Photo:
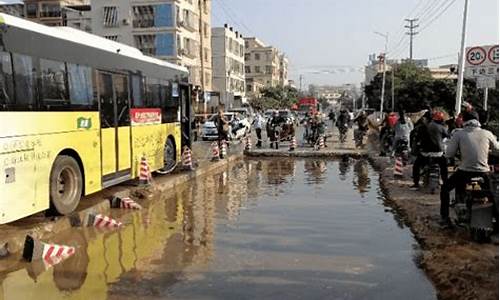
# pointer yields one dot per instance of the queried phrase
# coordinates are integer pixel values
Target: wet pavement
(260, 229)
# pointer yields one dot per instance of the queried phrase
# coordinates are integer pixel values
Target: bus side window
(24, 81)
(81, 87)
(54, 85)
(6, 81)
(153, 93)
(169, 103)
(137, 94)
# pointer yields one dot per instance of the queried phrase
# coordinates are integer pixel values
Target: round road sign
(493, 55)
(476, 56)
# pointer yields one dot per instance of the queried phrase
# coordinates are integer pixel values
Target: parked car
(239, 126)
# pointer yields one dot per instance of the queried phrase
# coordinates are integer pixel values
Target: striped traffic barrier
(144, 172)
(187, 161)
(215, 151)
(293, 144)
(398, 167)
(223, 150)
(101, 221)
(248, 144)
(125, 202)
(34, 250)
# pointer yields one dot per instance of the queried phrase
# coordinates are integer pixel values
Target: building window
(110, 16)
(269, 69)
(50, 10)
(111, 37)
(207, 79)
(32, 10)
(54, 92)
(249, 88)
(247, 69)
(165, 44)
(205, 51)
(146, 16)
(146, 43)
(247, 56)
(205, 30)
(257, 56)
(257, 69)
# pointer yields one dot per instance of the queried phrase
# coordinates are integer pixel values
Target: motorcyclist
(430, 141)
(320, 126)
(387, 131)
(361, 121)
(402, 130)
(474, 144)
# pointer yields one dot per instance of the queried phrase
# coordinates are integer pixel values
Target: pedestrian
(402, 130)
(222, 129)
(331, 116)
(258, 122)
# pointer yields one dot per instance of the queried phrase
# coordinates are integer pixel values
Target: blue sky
(326, 34)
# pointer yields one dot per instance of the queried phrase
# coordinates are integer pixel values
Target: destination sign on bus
(145, 116)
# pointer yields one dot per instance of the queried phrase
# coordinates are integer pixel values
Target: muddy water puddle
(261, 229)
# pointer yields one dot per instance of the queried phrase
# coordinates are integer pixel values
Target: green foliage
(275, 98)
(414, 88)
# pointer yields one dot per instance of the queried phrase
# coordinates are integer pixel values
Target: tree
(275, 98)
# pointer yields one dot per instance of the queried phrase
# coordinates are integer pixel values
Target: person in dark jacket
(430, 141)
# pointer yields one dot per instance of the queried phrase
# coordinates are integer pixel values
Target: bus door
(115, 128)
(186, 114)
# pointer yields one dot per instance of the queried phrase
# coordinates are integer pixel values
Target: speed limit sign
(493, 55)
(476, 56)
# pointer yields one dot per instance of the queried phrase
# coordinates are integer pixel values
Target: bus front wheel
(66, 185)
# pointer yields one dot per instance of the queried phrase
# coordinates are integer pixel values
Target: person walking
(258, 122)
(222, 125)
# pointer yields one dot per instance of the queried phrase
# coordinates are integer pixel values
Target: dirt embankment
(458, 267)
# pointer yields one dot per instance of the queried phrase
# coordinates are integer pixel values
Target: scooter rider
(430, 140)
(343, 120)
(276, 121)
(474, 144)
(402, 130)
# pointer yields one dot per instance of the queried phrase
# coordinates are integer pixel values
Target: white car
(237, 128)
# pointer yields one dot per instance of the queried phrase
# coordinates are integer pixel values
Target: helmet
(438, 116)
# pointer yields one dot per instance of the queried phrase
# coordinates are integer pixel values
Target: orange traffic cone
(248, 144)
(223, 149)
(293, 143)
(215, 151)
(187, 161)
(34, 249)
(101, 221)
(398, 167)
(144, 172)
(126, 202)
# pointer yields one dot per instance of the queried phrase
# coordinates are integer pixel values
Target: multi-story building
(177, 31)
(375, 66)
(262, 66)
(49, 12)
(15, 8)
(228, 61)
(283, 70)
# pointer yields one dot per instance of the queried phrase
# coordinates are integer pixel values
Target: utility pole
(202, 65)
(383, 58)
(461, 62)
(392, 86)
(300, 84)
(411, 33)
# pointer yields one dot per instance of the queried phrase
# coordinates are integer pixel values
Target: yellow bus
(77, 113)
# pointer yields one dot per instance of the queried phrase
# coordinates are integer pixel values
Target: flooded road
(262, 229)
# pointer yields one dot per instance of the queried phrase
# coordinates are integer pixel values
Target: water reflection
(361, 179)
(344, 165)
(173, 239)
(315, 171)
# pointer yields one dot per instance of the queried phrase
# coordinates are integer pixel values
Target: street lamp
(382, 94)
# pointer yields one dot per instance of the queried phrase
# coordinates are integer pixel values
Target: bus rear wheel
(66, 185)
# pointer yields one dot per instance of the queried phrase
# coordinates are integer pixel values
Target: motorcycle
(431, 171)
(359, 135)
(343, 132)
(238, 129)
(387, 142)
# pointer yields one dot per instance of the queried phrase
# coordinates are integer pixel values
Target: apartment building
(15, 8)
(177, 31)
(265, 66)
(228, 61)
(50, 12)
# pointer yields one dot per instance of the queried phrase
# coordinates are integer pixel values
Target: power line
(232, 17)
(438, 16)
